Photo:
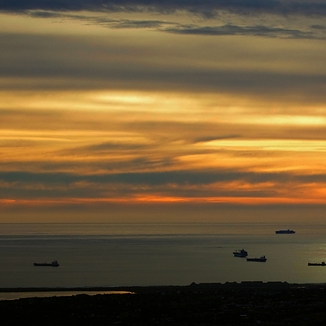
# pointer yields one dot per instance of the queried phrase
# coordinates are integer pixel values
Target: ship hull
(53, 264)
(258, 260)
(285, 232)
(317, 264)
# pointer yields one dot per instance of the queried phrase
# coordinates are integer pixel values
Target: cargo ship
(288, 231)
(53, 264)
(317, 264)
(240, 253)
(261, 259)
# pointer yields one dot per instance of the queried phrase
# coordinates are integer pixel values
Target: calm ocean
(157, 254)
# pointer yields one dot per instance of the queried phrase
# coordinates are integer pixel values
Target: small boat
(261, 259)
(240, 253)
(288, 231)
(317, 264)
(53, 264)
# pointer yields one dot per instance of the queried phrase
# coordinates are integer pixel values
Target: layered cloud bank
(183, 103)
(167, 6)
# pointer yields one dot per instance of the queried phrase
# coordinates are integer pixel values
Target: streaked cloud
(173, 103)
(257, 30)
(205, 7)
(294, 19)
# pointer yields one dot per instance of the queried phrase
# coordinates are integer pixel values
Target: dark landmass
(246, 303)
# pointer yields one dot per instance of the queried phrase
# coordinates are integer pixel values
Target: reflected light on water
(48, 294)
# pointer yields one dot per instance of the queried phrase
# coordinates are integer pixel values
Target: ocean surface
(108, 255)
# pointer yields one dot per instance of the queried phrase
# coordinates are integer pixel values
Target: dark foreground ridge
(246, 303)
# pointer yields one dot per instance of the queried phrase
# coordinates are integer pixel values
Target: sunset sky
(143, 110)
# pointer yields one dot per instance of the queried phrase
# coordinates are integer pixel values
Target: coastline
(142, 287)
(16, 293)
(231, 303)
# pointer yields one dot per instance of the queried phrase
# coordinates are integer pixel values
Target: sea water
(108, 255)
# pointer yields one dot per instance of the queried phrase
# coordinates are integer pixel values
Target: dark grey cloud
(70, 65)
(173, 183)
(314, 32)
(258, 30)
(134, 23)
(204, 7)
(68, 10)
(318, 27)
(112, 146)
(142, 77)
(212, 138)
(159, 178)
(104, 21)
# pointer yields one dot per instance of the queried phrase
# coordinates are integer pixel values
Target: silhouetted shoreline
(151, 288)
(247, 303)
